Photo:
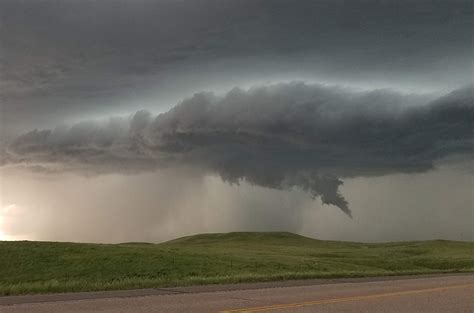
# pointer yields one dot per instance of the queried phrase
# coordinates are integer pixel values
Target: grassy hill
(43, 267)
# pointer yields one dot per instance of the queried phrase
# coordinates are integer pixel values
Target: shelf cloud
(279, 136)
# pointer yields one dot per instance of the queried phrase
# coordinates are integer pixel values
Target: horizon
(235, 233)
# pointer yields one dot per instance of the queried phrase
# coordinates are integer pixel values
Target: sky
(152, 119)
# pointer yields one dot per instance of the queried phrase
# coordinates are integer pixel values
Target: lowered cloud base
(279, 136)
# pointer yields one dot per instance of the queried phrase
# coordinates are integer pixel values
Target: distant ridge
(241, 236)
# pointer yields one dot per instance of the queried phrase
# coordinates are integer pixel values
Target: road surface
(415, 294)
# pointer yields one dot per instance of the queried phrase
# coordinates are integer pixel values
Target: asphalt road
(415, 294)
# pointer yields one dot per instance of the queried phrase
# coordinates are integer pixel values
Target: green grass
(44, 267)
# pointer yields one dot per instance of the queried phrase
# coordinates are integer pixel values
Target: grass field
(45, 267)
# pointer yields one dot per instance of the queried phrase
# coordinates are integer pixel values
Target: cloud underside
(280, 136)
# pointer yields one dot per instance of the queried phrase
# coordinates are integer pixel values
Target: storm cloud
(279, 136)
(160, 118)
(80, 59)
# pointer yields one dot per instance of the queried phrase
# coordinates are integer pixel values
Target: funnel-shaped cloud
(281, 136)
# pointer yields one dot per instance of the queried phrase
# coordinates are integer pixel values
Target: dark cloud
(66, 66)
(279, 136)
(61, 59)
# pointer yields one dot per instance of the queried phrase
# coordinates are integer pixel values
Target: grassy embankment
(45, 267)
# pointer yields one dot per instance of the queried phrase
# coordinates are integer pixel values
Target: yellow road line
(346, 299)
